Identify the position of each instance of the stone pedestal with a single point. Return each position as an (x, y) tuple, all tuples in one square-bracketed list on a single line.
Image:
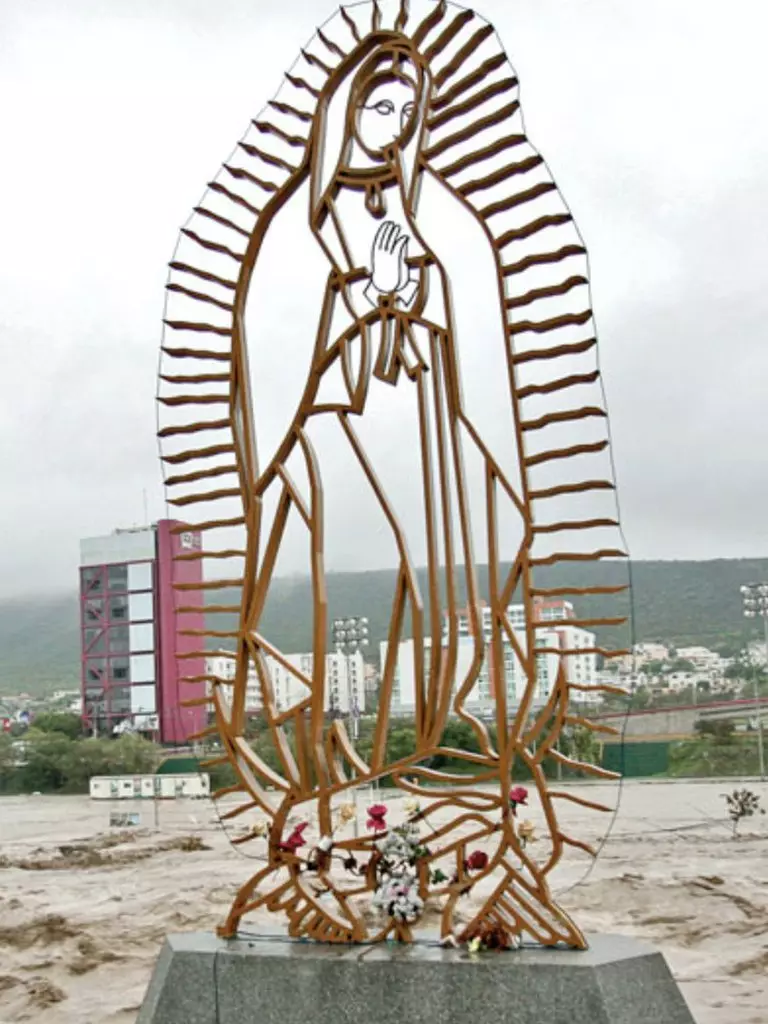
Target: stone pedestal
[(200, 979)]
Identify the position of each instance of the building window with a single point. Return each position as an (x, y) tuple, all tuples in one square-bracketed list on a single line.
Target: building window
[(93, 610), (117, 577), (119, 670), (120, 700), (139, 576), (118, 609), (94, 671), (118, 639), (140, 607), (142, 668), (95, 641), (93, 580), (142, 636)]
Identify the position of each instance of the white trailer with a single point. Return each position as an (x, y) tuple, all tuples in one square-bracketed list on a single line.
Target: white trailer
[(194, 786)]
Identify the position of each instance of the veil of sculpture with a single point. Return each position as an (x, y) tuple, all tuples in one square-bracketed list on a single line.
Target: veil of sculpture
[(392, 112)]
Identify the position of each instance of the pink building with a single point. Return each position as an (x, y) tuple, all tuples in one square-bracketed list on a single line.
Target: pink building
[(133, 627)]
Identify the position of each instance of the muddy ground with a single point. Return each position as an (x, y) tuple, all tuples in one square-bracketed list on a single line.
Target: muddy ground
[(84, 907)]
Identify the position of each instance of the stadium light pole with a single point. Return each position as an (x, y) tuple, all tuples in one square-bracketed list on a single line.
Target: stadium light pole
[(755, 600), (349, 635)]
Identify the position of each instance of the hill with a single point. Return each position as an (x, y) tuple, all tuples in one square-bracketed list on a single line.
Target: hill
[(39, 644), (681, 603), (678, 602)]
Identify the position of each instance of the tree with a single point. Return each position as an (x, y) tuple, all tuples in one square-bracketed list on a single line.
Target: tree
[(721, 730), (730, 646), (43, 760), (580, 744), (680, 665), (709, 756), (128, 755), (7, 762), (64, 722), (50, 762), (401, 743), (641, 698), (655, 667)]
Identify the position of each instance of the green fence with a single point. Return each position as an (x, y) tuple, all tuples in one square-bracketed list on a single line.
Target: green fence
[(637, 760), (633, 760), (178, 766)]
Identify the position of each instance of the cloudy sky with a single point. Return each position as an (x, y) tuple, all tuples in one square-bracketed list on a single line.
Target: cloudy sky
[(114, 116)]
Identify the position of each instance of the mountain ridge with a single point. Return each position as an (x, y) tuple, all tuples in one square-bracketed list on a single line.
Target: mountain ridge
[(678, 601)]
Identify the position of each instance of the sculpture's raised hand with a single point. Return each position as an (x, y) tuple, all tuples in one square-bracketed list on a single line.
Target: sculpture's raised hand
[(389, 270)]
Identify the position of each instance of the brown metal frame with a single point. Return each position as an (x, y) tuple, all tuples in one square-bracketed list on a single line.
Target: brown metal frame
[(404, 349)]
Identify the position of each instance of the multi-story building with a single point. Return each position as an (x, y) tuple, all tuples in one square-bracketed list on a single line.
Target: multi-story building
[(370, 684), (345, 680), (580, 667), (642, 654), (650, 651), (702, 659), (482, 696), (554, 633), (134, 648)]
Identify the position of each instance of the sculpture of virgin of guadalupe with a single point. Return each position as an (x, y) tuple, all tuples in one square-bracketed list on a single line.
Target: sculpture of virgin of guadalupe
[(453, 315)]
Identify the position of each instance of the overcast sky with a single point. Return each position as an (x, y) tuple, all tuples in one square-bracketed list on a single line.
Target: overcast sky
[(114, 116)]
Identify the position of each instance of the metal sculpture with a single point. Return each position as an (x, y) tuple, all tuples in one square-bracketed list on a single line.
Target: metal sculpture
[(389, 110)]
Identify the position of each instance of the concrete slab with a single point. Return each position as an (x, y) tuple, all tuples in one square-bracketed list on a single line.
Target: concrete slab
[(270, 979)]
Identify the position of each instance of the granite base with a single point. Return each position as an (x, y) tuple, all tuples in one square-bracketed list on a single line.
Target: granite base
[(200, 979)]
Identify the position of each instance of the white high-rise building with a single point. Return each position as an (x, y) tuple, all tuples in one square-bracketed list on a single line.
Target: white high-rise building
[(481, 699), (344, 690), (580, 667)]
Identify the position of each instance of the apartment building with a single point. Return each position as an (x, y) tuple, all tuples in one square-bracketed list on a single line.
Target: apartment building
[(553, 635), (134, 640), (344, 678)]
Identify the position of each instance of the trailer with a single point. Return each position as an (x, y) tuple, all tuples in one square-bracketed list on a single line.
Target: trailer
[(192, 786)]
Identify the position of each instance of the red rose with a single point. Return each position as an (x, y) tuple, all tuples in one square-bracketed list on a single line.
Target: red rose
[(477, 860), (518, 795), (295, 839), (376, 818)]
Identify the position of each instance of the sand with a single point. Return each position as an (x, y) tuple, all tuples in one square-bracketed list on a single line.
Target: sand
[(84, 907)]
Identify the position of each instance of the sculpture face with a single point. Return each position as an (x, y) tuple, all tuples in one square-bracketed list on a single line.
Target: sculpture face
[(385, 115)]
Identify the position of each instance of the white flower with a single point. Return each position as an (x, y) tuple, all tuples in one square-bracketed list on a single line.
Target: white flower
[(398, 895), (412, 806), (346, 812), (527, 831), (395, 846)]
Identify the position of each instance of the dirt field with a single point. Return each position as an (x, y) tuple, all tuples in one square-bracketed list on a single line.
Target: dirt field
[(84, 908)]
